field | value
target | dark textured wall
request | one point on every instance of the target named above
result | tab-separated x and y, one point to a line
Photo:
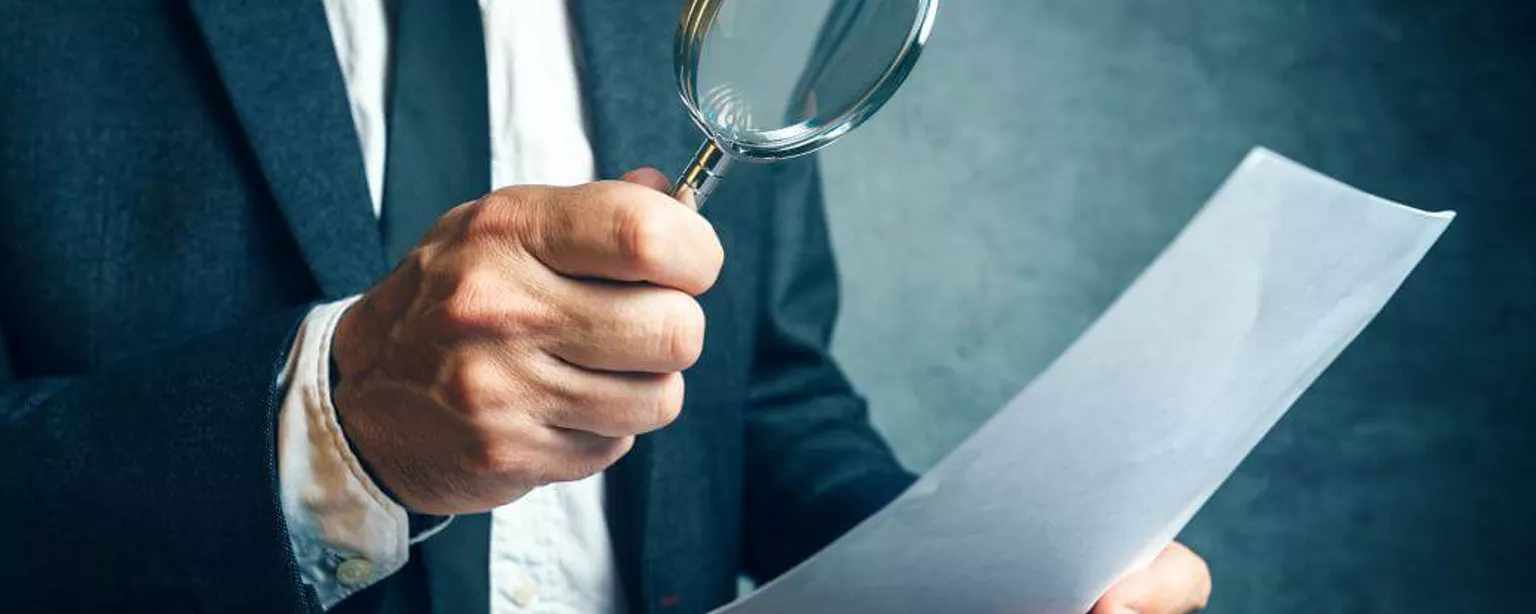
1047	149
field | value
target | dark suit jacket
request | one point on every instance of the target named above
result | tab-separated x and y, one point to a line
179	179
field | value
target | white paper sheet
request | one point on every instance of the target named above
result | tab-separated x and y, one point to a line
1099	462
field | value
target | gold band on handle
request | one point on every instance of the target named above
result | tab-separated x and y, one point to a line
703	174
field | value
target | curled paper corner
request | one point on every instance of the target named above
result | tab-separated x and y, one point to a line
1261	156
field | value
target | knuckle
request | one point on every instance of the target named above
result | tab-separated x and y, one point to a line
480	300
496	215
642	237
466	387
467	304
654	409
670	402
485	217
682	334
495	461
455	219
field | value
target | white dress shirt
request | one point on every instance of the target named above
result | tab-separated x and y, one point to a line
550	550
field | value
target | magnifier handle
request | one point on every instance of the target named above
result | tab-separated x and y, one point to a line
703	174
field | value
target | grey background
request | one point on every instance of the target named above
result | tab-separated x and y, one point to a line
1046	150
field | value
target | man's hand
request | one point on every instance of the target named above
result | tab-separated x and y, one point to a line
1177	582
527	340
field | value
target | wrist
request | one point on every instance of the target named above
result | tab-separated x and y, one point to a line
348	345
336	381
333	508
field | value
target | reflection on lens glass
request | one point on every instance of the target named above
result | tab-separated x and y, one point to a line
771	71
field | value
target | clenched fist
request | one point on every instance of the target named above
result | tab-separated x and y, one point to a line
527	339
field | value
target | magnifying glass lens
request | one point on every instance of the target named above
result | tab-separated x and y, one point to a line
773	79
772	72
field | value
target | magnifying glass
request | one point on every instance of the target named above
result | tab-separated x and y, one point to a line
770	80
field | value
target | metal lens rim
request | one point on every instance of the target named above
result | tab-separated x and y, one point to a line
697	18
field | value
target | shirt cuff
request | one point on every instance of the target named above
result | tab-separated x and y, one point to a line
346	533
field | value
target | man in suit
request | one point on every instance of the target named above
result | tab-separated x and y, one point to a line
251	365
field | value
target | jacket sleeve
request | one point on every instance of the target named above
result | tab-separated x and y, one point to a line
815	465
150	485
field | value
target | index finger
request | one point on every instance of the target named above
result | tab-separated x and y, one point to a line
628	232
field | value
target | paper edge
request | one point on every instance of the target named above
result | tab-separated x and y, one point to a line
1263	155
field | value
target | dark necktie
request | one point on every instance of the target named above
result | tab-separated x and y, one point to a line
438	155
438	150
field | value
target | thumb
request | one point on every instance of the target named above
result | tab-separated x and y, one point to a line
1177	582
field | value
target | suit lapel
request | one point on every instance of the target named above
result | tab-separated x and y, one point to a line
277	62
635	119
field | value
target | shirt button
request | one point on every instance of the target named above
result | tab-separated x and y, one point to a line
525	594
353	572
